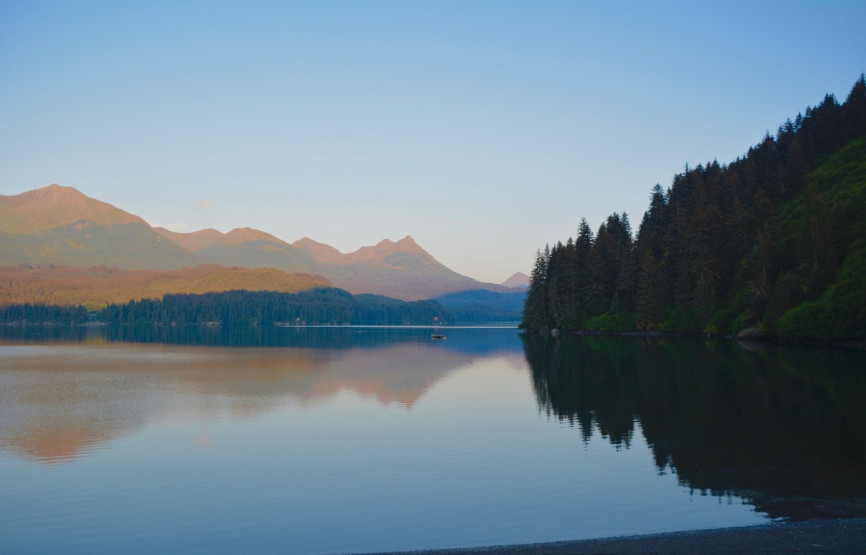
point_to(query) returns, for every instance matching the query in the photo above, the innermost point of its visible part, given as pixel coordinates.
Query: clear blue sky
(483, 129)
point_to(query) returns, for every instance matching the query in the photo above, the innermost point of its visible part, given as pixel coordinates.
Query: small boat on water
(436, 334)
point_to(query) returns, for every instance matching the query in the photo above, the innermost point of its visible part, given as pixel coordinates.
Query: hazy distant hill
(402, 270)
(518, 280)
(133, 246)
(60, 225)
(98, 286)
(246, 247)
(192, 241)
(319, 251)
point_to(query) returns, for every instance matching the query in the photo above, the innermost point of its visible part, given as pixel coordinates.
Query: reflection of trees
(477, 341)
(785, 428)
(597, 394)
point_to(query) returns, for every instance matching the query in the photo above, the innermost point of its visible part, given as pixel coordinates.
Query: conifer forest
(774, 242)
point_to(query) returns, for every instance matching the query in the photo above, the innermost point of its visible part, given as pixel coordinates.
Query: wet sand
(814, 536)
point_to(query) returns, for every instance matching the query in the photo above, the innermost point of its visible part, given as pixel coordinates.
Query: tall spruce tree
(535, 314)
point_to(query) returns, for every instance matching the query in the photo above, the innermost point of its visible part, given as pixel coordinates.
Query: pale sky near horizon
(483, 129)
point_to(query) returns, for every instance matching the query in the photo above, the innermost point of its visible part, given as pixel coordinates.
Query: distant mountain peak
(56, 206)
(386, 248)
(244, 234)
(319, 251)
(517, 280)
(408, 244)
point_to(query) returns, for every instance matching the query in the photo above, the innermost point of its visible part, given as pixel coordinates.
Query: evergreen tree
(535, 309)
(582, 249)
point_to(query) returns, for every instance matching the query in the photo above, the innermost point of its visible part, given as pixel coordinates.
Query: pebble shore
(813, 536)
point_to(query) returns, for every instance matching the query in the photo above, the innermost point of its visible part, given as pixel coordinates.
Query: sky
(483, 129)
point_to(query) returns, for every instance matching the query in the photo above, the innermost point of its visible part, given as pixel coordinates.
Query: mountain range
(59, 225)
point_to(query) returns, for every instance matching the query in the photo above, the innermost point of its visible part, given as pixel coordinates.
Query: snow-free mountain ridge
(61, 225)
(56, 206)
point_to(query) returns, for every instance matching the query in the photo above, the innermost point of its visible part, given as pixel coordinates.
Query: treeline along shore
(314, 307)
(772, 244)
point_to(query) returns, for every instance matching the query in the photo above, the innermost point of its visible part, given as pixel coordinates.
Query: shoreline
(810, 536)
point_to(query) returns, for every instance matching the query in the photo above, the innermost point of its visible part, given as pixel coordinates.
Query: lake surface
(319, 440)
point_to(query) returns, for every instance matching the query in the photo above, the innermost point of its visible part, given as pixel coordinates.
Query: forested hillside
(319, 306)
(312, 306)
(774, 240)
(316, 306)
(481, 305)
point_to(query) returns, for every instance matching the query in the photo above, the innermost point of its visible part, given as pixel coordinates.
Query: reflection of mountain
(62, 399)
(784, 428)
(396, 374)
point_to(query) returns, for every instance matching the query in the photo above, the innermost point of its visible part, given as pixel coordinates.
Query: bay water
(370, 439)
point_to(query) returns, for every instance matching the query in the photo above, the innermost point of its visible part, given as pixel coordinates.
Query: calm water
(374, 439)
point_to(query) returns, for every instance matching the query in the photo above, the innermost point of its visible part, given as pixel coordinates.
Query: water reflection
(474, 340)
(784, 428)
(67, 391)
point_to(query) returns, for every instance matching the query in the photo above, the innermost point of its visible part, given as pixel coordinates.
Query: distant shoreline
(811, 536)
(483, 325)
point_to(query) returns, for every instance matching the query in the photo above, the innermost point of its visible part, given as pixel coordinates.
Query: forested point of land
(317, 306)
(775, 240)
